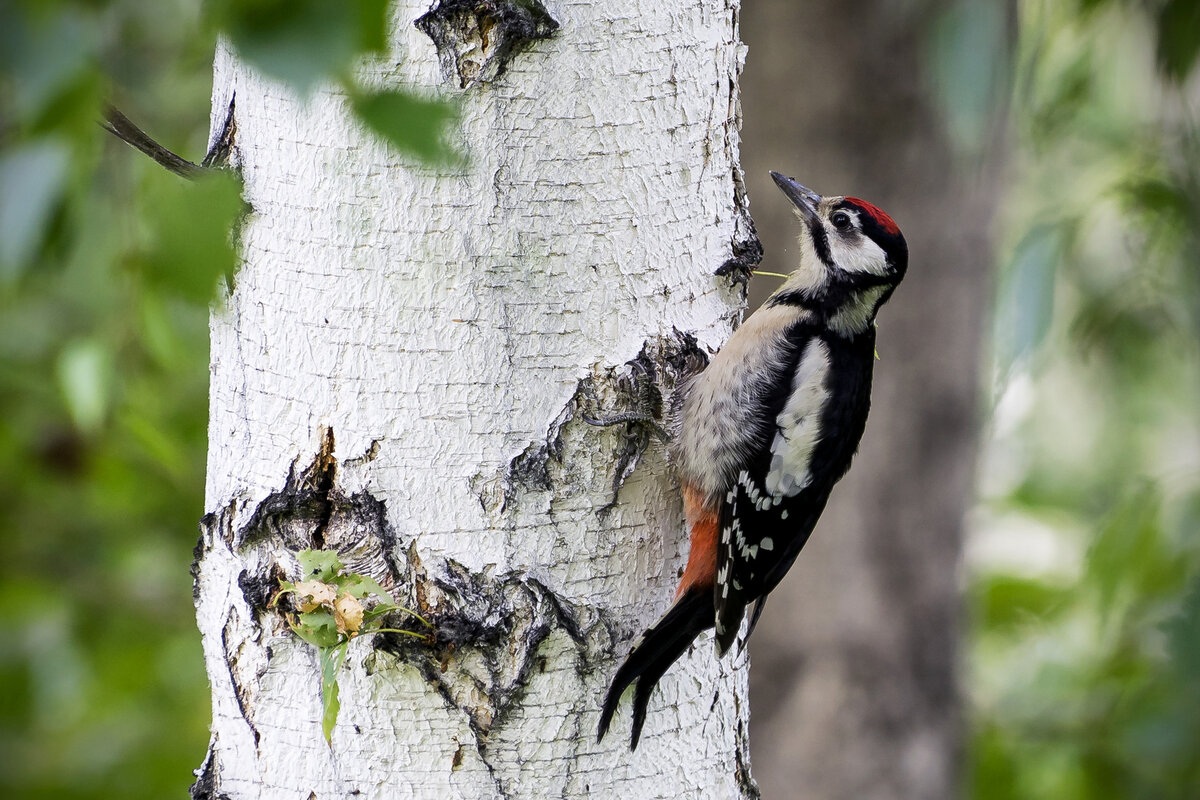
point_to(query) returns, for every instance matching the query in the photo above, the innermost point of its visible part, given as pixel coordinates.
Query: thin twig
(123, 128)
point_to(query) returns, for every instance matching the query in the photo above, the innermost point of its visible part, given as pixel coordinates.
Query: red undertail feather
(701, 570)
(665, 641)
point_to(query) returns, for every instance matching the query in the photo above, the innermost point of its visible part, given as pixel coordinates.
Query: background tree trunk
(400, 372)
(855, 683)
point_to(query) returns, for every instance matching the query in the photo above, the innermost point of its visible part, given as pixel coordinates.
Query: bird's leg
(646, 402)
(641, 422)
(633, 418)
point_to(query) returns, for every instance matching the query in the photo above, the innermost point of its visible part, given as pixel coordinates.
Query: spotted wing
(772, 506)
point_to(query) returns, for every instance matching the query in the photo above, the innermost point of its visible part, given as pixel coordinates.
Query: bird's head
(850, 251)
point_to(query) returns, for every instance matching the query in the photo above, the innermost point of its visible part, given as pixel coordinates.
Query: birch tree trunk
(400, 373)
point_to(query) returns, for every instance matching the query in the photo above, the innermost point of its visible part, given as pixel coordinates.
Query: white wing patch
(798, 425)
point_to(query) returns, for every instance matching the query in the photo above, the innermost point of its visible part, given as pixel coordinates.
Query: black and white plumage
(767, 429)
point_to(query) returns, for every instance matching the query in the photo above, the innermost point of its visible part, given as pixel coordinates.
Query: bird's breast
(724, 418)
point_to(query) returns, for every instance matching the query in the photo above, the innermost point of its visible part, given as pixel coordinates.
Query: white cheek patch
(860, 255)
(799, 424)
(810, 273)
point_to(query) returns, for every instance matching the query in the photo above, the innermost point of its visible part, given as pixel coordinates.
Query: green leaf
(969, 58)
(1156, 196)
(323, 565)
(302, 42)
(32, 181)
(1006, 601)
(1179, 37)
(318, 628)
(331, 663)
(191, 231)
(1127, 552)
(1026, 302)
(994, 765)
(84, 370)
(44, 52)
(360, 586)
(411, 124)
(1183, 637)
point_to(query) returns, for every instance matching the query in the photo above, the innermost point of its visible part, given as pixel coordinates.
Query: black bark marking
(310, 511)
(488, 631)
(746, 246)
(207, 785)
(531, 469)
(639, 393)
(631, 395)
(221, 152)
(214, 524)
(747, 255)
(741, 755)
(239, 691)
(258, 589)
(499, 622)
(476, 39)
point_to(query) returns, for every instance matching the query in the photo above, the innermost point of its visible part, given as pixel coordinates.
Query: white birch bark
(442, 330)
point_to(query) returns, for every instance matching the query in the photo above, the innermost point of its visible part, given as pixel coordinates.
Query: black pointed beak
(805, 199)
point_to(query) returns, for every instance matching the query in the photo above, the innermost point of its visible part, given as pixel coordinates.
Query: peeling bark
(476, 39)
(401, 374)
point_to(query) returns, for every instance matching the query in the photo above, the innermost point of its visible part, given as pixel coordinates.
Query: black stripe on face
(820, 241)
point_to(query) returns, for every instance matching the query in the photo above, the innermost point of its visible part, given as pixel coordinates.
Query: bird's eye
(840, 220)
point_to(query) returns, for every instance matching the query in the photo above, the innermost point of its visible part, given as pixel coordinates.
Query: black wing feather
(761, 535)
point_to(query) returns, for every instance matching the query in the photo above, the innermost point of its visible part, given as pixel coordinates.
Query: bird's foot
(632, 418)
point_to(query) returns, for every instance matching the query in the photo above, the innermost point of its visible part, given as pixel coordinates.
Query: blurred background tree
(1083, 651)
(854, 685)
(1081, 559)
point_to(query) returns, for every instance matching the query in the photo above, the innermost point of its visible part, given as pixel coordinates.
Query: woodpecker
(762, 434)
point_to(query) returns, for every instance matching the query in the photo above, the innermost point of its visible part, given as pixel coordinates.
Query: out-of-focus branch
(123, 128)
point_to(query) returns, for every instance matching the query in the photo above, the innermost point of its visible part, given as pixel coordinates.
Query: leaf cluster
(331, 608)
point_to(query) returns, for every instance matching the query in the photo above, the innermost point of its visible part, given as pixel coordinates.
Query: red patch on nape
(877, 214)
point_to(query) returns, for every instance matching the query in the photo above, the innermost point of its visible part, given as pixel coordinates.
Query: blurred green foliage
(103, 393)
(1085, 651)
(107, 266)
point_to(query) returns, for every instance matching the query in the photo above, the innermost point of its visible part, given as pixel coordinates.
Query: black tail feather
(659, 647)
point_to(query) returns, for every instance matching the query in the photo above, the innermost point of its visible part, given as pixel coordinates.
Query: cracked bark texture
(401, 372)
(855, 684)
